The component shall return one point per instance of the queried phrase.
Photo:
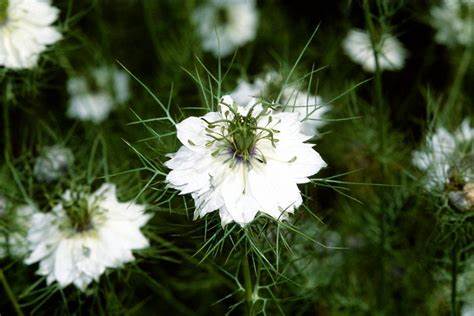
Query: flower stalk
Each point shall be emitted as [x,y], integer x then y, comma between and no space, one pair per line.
[10,294]
[454,272]
[247,285]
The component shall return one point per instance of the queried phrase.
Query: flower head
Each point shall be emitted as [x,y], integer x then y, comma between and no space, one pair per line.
[53,163]
[25,31]
[241,161]
[224,25]
[448,160]
[93,97]
[85,234]
[13,242]
[454,22]
[310,108]
[390,52]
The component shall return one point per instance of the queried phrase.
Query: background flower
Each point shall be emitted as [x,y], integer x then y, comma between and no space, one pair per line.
[74,252]
[53,163]
[224,25]
[358,46]
[454,22]
[25,31]
[94,97]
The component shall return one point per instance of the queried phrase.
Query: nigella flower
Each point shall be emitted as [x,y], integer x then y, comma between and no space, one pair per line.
[310,108]
[224,25]
[391,54]
[448,160]
[53,163]
[84,235]
[454,22]
[93,96]
[25,31]
[13,240]
[241,161]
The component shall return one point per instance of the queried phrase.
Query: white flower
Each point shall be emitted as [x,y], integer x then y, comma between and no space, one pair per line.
[454,21]
[467,309]
[94,97]
[13,242]
[358,46]
[25,31]
[310,108]
[445,153]
[84,235]
[53,163]
[224,25]
[241,161]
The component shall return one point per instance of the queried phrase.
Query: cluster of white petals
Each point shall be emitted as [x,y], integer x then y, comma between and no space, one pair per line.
[445,151]
[224,25]
[53,163]
[209,167]
[310,108]
[92,98]
[25,31]
[391,54]
[13,241]
[72,256]
[454,22]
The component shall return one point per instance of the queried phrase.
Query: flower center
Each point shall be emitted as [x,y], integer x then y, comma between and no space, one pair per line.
[79,212]
[222,16]
[461,173]
[3,11]
[469,192]
[243,134]
[240,134]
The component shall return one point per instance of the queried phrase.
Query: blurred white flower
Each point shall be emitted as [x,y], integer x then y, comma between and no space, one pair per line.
[84,235]
[25,31]
[93,97]
[241,161]
[53,163]
[13,241]
[310,108]
[448,160]
[358,46]
[454,22]
[467,309]
[224,25]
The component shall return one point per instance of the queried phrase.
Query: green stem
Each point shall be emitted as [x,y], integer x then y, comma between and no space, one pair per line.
[6,122]
[454,272]
[458,79]
[378,73]
[10,294]
[247,285]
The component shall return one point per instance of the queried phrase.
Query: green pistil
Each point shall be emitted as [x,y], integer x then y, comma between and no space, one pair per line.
[242,131]
[3,11]
[239,135]
[222,16]
[79,213]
